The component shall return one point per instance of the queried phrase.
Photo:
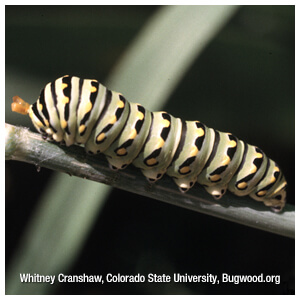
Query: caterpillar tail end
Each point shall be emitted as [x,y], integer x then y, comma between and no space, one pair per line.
[20,106]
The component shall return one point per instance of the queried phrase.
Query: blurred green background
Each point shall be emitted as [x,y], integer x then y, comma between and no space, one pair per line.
[243,82]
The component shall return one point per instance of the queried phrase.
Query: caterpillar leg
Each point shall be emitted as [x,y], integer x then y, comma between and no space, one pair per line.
[217,191]
[152,175]
[184,184]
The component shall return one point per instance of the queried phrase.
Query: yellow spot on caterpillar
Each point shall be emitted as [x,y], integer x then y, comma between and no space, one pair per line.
[242,185]
[151,161]
[200,132]
[185,170]
[40,106]
[63,124]
[226,161]
[65,100]
[121,151]
[261,193]
[140,115]
[132,134]
[215,177]
[159,143]
[88,107]
[258,155]
[63,86]
[194,151]
[81,128]
[120,104]
[46,123]
[100,137]
[165,123]
[253,169]
[112,120]
[232,144]
[93,89]
[273,179]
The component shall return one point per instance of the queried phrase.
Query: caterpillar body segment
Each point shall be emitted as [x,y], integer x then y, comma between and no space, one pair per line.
[129,144]
[194,149]
[250,172]
[109,124]
[160,146]
[223,163]
[83,111]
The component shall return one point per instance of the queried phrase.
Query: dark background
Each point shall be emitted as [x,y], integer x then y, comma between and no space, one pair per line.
[243,82]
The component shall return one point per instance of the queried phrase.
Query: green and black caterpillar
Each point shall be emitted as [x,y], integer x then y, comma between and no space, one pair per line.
[83,111]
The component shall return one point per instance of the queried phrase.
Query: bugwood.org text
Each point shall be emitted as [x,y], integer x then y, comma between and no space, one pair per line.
[150,278]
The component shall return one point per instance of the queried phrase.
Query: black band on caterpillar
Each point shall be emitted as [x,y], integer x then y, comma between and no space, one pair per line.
[83,111]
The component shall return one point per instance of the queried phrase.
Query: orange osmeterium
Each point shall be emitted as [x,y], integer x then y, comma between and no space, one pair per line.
[20,106]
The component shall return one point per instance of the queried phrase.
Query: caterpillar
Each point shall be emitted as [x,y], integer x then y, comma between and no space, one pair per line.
[83,111]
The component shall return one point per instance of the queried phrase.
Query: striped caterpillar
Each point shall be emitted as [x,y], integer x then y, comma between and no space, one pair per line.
[83,111]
